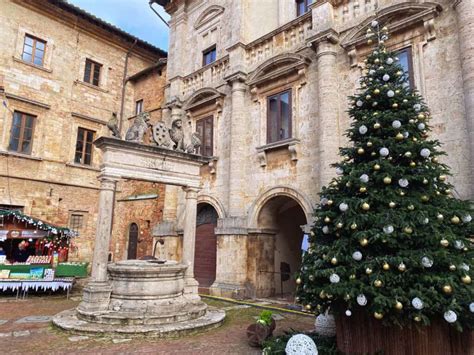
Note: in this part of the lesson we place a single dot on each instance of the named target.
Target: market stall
(33, 255)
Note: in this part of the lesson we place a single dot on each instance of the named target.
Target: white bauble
(417, 303)
(343, 207)
(324, 201)
(363, 129)
(371, 72)
(464, 266)
(406, 134)
(375, 103)
(364, 178)
(388, 229)
(386, 77)
(325, 325)
(396, 124)
(384, 152)
(417, 107)
(450, 316)
(339, 171)
(389, 61)
(334, 278)
(403, 182)
(357, 255)
(374, 23)
(467, 218)
(421, 126)
(361, 300)
(326, 230)
(390, 93)
(425, 152)
(426, 262)
(458, 244)
(384, 38)
(471, 307)
(349, 313)
(359, 103)
(301, 344)
(426, 221)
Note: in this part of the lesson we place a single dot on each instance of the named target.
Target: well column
(189, 240)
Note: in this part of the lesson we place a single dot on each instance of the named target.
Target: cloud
(133, 16)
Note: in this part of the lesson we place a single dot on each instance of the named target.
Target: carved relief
(140, 125)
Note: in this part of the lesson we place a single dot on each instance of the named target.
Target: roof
(157, 66)
(64, 5)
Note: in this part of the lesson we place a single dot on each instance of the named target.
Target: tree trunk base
(362, 334)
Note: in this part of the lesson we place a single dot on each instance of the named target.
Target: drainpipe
(124, 83)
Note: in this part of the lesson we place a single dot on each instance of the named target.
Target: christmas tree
(389, 237)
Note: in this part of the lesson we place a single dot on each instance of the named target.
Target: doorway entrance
(206, 245)
(132, 241)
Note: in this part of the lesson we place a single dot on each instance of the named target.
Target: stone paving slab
(22, 333)
(34, 319)
(78, 338)
(3, 321)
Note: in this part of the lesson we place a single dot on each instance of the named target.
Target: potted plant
(262, 329)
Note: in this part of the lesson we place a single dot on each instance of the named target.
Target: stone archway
(206, 245)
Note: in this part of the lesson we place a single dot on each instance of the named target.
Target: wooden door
(132, 241)
(205, 255)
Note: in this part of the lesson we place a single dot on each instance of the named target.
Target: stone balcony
(211, 75)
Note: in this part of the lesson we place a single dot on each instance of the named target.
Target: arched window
(132, 241)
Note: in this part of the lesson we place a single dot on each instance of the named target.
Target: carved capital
(107, 182)
(329, 36)
(191, 192)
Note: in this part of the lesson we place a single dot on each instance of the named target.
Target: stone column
(237, 145)
(189, 239)
(97, 292)
(465, 15)
(329, 129)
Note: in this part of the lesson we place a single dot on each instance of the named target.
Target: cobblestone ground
(25, 328)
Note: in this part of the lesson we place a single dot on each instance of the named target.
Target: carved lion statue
(177, 134)
(137, 130)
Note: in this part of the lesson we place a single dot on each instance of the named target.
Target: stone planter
(362, 334)
(257, 333)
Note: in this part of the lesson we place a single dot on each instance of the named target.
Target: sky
(132, 16)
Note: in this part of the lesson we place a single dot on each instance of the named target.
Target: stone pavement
(25, 328)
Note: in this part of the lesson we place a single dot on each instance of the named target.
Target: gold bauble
(408, 230)
(363, 189)
(363, 242)
(444, 242)
(373, 154)
(369, 42)
(330, 202)
(442, 178)
(411, 207)
(347, 297)
(465, 249)
(391, 204)
(405, 101)
(399, 73)
(402, 193)
(329, 296)
(334, 261)
(447, 289)
(312, 233)
(455, 220)
(377, 61)
(395, 105)
(408, 154)
(318, 307)
(376, 125)
(352, 277)
(421, 116)
(386, 266)
(447, 191)
(327, 219)
(397, 91)
(376, 167)
(440, 217)
(417, 318)
(425, 198)
(368, 271)
(353, 226)
(399, 136)
(466, 279)
(434, 160)
(412, 164)
(398, 305)
(375, 114)
(378, 283)
(376, 91)
(339, 225)
(402, 267)
(368, 97)
(322, 294)
(365, 206)
(378, 315)
(307, 307)
(414, 139)
(369, 144)
(452, 267)
(387, 180)
(360, 151)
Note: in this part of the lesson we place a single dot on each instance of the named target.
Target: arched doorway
(132, 241)
(284, 216)
(206, 245)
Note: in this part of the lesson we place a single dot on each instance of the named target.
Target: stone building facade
(267, 83)
(62, 75)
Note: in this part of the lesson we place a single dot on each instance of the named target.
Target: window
(209, 56)
(33, 50)
(204, 127)
(406, 61)
(92, 72)
(76, 221)
(11, 208)
(138, 107)
(302, 6)
(84, 141)
(279, 117)
(22, 133)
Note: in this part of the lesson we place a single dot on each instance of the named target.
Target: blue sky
(133, 16)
